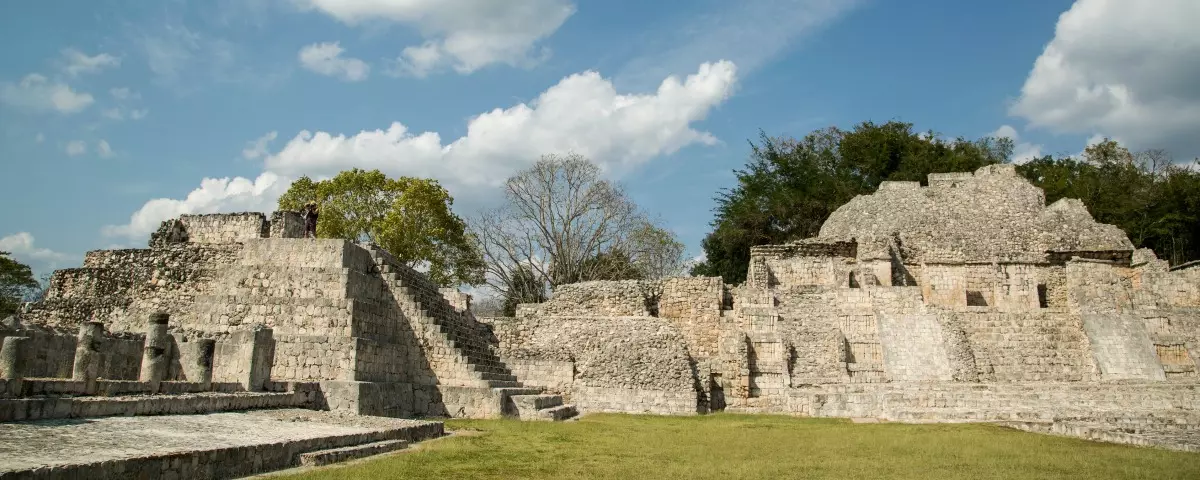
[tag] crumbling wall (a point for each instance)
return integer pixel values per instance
(1101, 294)
(620, 364)
(287, 224)
(625, 298)
(694, 305)
(225, 228)
(992, 214)
(805, 263)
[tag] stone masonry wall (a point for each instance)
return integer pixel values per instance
(627, 298)
(224, 228)
(694, 305)
(620, 364)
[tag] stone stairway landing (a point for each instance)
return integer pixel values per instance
(543, 407)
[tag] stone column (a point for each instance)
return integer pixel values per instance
(87, 354)
(196, 359)
(156, 358)
(11, 357)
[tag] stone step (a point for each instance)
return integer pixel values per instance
(334, 455)
(497, 376)
(501, 383)
(534, 403)
(557, 414)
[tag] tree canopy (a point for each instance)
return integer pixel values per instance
(1153, 199)
(409, 217)
(16, 283)
(562, 223)
(790, 187)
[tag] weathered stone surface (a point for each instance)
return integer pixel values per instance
(969, 299)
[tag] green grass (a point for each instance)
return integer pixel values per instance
(730, 447)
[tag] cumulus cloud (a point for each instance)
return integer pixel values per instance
(582, 113)
(103, 149)
(1022, 151)
(76, 148)
(326, 59)
(23, 248)
(1129, 69)
(75, 62)
(37, 93)
(258, 147)
(465, 35)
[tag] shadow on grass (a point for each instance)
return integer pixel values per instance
(728, 446)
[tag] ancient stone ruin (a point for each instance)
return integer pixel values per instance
(968, 299)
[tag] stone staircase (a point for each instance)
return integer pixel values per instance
(454, 344)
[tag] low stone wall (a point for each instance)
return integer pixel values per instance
(626, 298)
(638, 363)
(42, 408)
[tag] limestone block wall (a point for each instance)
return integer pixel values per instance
(1036, 346)
(620, 364)
(286, 224)
(599, 298)
(51, 354)
(694, 305)
(225, 228)
(1009, 287)
(1102, 294)
(308, 358)
(914, 348)
(807, 262)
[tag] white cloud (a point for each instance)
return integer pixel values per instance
(258, 147)
(1022, 151)
(21, 245)
(76, 62)
(117, 113)
(748, 33)
(36, 92)
(583, 113)
(104, 149)
(1131, 69)
(124, 94)
(463, 34)
(326, 59)
(76, 148)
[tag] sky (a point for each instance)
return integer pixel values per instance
(118, 115)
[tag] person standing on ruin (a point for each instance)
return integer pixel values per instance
(310, 220)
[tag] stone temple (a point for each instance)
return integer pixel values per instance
(969, 299)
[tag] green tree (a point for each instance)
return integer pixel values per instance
(790, 187)
(16, 283)
(1153, 199)
(409, 217)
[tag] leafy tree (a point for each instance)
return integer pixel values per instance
(790, 187)
(16, 283)
(409, 217)
(566, 224)
(1153, 199)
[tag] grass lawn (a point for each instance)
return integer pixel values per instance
(729, 447)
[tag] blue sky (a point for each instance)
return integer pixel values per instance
(116, 115)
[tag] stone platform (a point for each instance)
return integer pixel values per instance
(219, 445)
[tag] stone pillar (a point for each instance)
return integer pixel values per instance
(11, 358)
(196, 360)
(156, 358)
(87, 354)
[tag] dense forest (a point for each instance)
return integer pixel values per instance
(789, 187)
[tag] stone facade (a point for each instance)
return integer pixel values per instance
(967, 299)
(238, 303)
